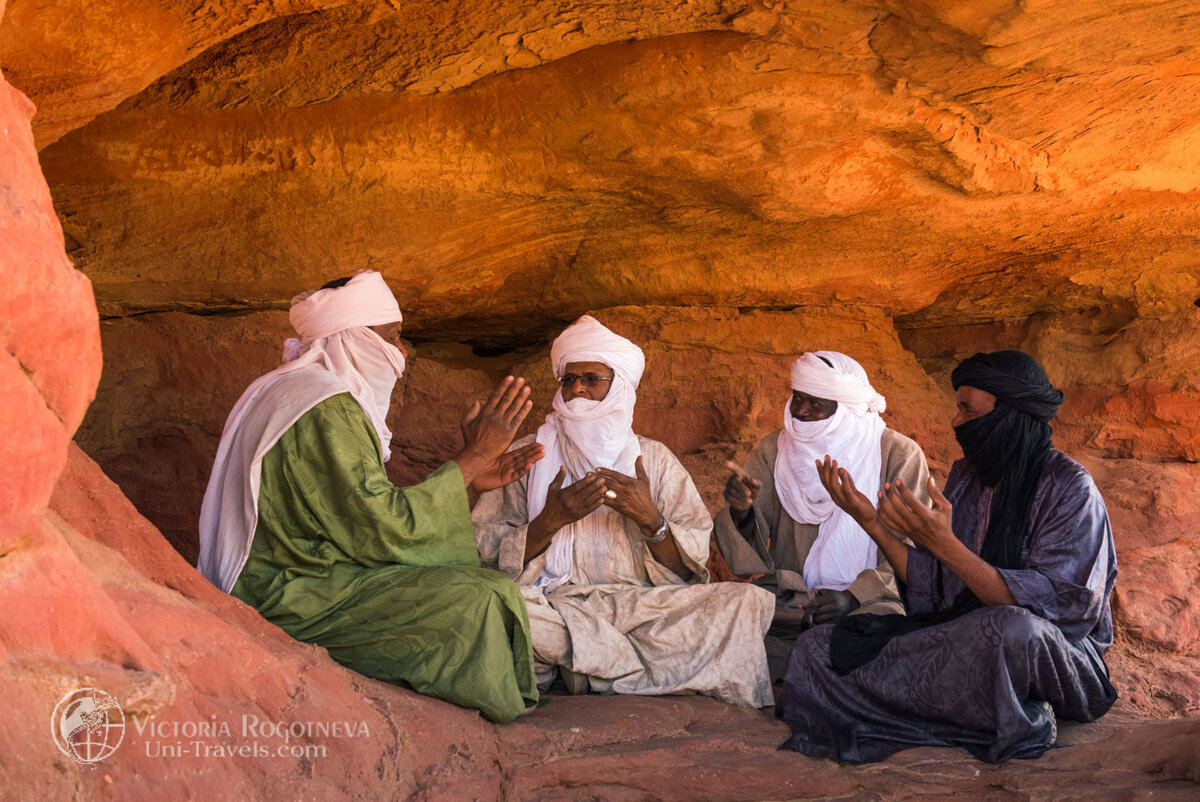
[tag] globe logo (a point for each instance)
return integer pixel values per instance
(88, 725)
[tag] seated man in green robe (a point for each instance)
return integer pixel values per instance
(301, 522)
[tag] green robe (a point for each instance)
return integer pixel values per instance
(387, 579)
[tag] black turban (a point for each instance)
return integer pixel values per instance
(1014, 378)
(1008, 445)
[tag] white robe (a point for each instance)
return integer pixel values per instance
(625, 620)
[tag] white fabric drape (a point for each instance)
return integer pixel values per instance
(335, 354)
(583, 435)
(851, 436)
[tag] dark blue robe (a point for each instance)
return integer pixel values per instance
(979, 681)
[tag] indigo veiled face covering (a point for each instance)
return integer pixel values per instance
(1008, 446)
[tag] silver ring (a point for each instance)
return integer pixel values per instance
(610, 494)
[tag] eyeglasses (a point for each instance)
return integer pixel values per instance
(588, 379)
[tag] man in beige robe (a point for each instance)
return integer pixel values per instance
(608, 540)
(779, 524)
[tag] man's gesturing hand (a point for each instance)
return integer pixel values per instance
(900, 510)
(838, 482)
(488, 428)
(632, 498)
(840, 486)
(829, 605)
(508, 467)
(741, 491)
(931, 528)
(566, 505)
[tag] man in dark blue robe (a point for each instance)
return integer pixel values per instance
(1007, 590)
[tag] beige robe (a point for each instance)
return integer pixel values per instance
(625, 620)
(776, 549)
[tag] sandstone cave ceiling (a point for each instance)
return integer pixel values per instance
(510, 165)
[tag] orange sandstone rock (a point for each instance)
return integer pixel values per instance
(719, 154)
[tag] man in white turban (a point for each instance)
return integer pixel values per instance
(301, 522)
(608, 539)
(779, 523)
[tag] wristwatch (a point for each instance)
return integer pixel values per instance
(659, 535)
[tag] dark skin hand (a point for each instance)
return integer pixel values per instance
(508, 467)
(635, 502)
(564, 506)
(840, 486)
(489, 428)
(828, 605)
(930, 527)
(901, 511)
(741, 491)
(485, 425)
(825, 607)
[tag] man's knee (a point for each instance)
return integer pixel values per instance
(745, 596)
(1017, 629)
(482, 584)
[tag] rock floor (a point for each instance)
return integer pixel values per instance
(695, 748)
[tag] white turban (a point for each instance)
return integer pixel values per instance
(582, 434)
(332, 324)
(845, 382)
(365, 300)
(852, 437)
(589, 340)
(336, 353)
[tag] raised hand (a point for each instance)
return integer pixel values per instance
(566, 505)
(930, 527)
(630, 496)
(741, 491)
(508, 467)
(489, 428)
(840, 486)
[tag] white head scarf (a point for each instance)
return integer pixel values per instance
(583, 435)
(851, 436)
(332, 325)
(334, 354)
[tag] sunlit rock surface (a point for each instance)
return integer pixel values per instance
(727, 182)
(510, 166)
